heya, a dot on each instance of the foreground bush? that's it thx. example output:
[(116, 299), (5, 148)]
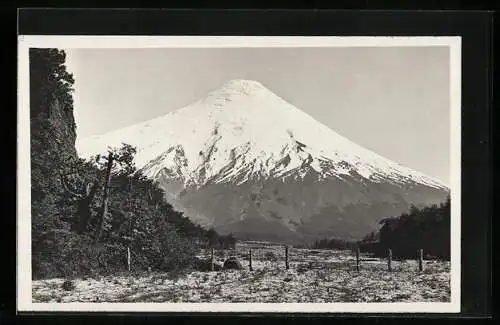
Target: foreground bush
[(69, 255)]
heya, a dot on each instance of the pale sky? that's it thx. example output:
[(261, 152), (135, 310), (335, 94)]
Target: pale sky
[(391, 100)]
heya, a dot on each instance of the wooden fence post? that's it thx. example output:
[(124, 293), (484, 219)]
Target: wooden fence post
[(420, 260), (286, 258), (389, 260), (250, 260), (357, 259), (212, 259), (128, 259)]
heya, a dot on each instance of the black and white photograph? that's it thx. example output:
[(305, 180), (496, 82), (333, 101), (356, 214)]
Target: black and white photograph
[(239, 174)]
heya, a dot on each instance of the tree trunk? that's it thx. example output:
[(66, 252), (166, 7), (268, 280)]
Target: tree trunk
[(84, 204), (128, 259), (212, 259), (357, 259), (287, 266), (420, 260), (104, 206), (389, 260), (250, 260), (84, 210)]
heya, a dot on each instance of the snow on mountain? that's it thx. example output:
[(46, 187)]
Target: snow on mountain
[(243, 160), (241, 132)]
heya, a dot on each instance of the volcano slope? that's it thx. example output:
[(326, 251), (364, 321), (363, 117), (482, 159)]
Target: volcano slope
[(244, 160)]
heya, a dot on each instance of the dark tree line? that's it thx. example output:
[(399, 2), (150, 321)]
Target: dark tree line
[(214, 240), (333, 244), (86, 214), (427, 228)]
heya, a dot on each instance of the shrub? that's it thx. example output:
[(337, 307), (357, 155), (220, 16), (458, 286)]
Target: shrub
[(220, 253), (270, 256), (68, 285), (67, 254), (176, 252)]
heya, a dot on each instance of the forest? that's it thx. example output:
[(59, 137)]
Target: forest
[(426, 228), (94, 216)]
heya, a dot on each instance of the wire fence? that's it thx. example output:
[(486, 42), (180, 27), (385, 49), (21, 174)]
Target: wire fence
[(263, 255)]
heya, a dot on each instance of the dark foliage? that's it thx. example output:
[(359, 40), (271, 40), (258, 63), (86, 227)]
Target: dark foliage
[(270, 256), (83, 224), (217, 241), (232, 263), (206, 265), (68, 285), (333, 244), (49, 81), (426, 228)]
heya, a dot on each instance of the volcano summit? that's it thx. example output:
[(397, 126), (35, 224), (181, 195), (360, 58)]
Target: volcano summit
[(243, 160)]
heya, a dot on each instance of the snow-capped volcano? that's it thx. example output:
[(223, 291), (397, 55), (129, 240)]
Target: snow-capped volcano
[(244, 138), (243, 131)]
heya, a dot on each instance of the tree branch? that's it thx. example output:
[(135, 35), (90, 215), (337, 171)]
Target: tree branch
[(66, 187)]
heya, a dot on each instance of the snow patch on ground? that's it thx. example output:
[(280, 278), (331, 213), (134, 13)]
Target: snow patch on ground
[(314, 276)]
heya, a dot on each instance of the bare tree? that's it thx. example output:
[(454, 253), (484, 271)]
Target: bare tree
[(104, 206), (84, 199)]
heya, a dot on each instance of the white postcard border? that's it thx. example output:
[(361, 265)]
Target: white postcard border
[(24, 285)]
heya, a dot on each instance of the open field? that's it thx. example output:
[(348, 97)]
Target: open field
[(314, 276)]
